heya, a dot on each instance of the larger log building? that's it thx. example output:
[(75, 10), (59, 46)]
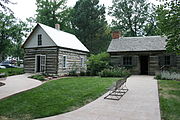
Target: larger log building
[(143, 55)]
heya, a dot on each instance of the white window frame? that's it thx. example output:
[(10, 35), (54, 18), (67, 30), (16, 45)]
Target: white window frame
[(64, 56), (40, 62)]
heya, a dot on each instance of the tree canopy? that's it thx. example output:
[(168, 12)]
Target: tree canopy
[(133, 17), (11, 36), (169, 24), (3, 5), (90, 25), (51, 12)]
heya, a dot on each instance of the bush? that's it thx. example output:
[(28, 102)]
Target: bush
[(115, 72), (166, 75), (73, 73), (97, 63), (82, 73), (38, 77)]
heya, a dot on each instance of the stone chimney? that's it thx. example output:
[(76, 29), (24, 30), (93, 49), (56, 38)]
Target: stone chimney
[(57, 26), (116, 35)]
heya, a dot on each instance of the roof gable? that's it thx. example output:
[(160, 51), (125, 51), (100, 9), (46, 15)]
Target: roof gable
[(127, 44), (32, 40), (62, 39)]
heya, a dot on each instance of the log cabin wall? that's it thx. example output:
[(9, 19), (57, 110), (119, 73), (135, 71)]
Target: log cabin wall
[(155, 61), (51, 54), (73, 61)]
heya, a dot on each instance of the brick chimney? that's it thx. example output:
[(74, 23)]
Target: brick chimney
[(116, 35), (57, 26)]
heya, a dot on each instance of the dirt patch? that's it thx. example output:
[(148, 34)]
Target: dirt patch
[(168, 96), (167, 88)]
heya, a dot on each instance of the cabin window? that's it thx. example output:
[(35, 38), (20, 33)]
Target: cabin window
[(82, 61), (127, 61), (64, 61), (39, 39), (167, 60)]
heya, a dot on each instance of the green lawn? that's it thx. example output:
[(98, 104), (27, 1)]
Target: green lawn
[(12, 71), (55, 97), (169, 91)]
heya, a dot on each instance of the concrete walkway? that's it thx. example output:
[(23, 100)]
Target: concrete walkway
[(16, 84), (141, 102)]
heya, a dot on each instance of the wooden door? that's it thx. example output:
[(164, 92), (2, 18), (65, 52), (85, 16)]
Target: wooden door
[(40, 63)]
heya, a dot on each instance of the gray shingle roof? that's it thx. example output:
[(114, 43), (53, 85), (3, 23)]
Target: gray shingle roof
[(148, 43)]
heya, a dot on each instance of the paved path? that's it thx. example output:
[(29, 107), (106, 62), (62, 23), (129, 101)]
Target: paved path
[(16, 84), (141, 102)]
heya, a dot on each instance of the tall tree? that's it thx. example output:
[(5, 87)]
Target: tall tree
[(11, 35), (3, 4), (5, 33), (20, 32), (89, 22), (133, 17), (169, 24), (51, 12)]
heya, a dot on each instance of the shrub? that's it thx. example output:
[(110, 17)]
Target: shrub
[(82, 73), (115, 72), (166, 75), (73, 73), (38, 77), (97, 63)]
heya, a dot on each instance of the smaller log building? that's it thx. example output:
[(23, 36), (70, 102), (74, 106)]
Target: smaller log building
[(52, 51), (143, 55)]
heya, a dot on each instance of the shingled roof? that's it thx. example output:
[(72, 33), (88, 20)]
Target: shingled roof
[(60, 38), (128, 44)]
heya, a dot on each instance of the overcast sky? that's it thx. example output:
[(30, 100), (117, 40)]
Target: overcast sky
[(27, 8)]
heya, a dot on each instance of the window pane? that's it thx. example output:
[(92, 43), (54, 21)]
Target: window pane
[(127, 61), (39, 39), (82, 62), (64, 61), (167, 60)]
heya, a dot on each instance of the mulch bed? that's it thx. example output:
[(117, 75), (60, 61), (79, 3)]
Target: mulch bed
[(1, 84)]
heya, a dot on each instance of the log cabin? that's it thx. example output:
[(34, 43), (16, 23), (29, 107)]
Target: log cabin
[(142, 55), (50, 50)]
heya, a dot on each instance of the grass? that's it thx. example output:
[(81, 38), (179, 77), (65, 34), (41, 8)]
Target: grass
[(54, 97), (12, 71), (169, 91)]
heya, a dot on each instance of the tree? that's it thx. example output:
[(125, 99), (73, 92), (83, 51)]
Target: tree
[(133, 17), (169, 24), (89, 22), (11, 35), (21, 29), (5, 33), (51, 12), (3, 6)]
